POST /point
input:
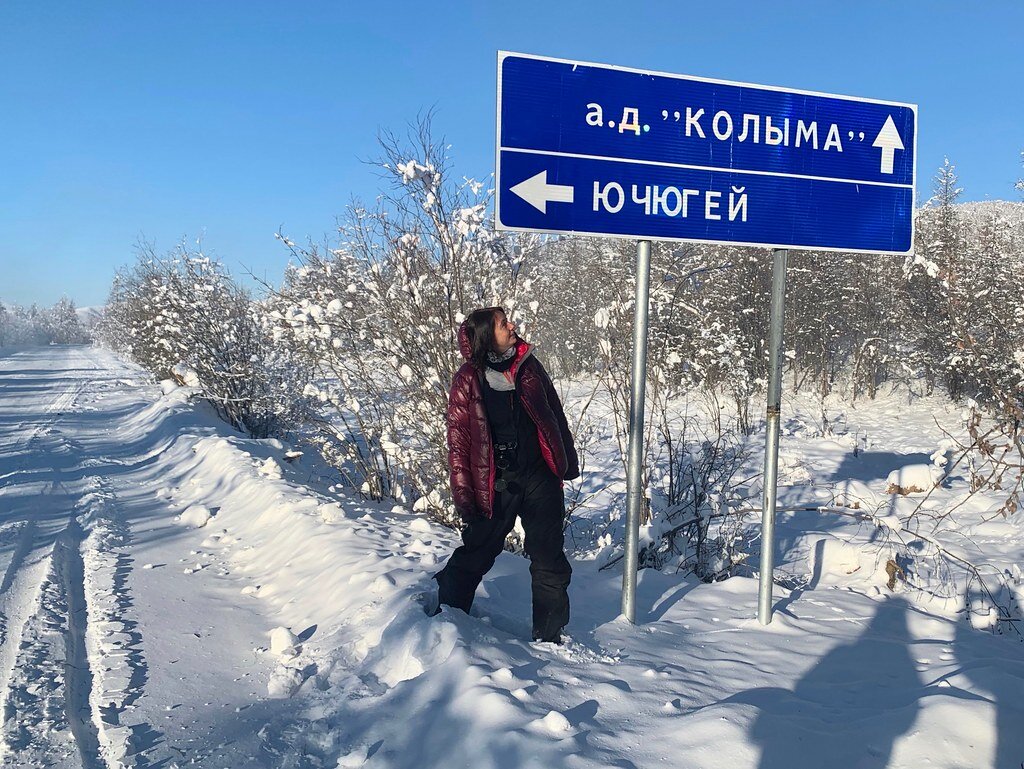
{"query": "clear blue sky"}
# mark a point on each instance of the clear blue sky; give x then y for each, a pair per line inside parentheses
(124, 121)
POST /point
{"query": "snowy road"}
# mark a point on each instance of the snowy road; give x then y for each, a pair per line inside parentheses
(46, 685)
(110, 653)
(175, 594)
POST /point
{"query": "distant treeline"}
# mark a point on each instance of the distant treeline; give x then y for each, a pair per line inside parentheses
(35, 325)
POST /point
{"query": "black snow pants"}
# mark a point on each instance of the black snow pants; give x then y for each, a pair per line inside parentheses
(536, 498)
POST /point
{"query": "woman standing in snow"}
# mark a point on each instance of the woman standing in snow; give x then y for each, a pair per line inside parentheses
(509, 449)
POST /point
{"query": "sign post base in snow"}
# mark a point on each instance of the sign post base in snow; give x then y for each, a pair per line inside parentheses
(771, 441)
(634, 472)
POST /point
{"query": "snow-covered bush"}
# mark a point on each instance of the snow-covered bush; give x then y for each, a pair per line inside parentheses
(699, 339)
(699, 350)
(569, 281)
(696, 523)
(183, 317)
(377, 318)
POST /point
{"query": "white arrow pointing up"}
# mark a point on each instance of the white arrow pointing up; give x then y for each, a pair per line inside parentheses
(889, 141)
(538, 193)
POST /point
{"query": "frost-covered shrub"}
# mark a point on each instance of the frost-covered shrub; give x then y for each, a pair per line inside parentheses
(569, 281)
(183, 317)
(699, 349)
(700, 341)
(377, 318)
(696, 523)
(853, 322)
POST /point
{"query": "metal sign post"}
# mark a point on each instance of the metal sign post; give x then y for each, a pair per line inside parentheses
(594, 149)
(771, 445)
(634, 470)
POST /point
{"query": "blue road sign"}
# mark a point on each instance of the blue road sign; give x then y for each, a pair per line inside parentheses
(600, 150)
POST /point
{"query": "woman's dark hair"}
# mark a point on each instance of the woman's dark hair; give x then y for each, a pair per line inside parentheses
(480, 330)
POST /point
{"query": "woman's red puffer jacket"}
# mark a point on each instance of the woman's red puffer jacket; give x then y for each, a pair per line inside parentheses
(470, 450)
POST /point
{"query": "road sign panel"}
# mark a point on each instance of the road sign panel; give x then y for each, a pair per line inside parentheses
(592, 149)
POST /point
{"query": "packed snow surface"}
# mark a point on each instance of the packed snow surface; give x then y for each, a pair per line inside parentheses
(289, 629)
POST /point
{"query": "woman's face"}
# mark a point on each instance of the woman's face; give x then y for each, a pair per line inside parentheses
(504, 332)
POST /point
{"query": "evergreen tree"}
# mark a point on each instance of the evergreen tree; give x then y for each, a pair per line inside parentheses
(64, 323)
(945, 194)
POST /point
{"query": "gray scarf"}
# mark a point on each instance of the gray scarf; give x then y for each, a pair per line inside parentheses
(501, 357)
(497, 379)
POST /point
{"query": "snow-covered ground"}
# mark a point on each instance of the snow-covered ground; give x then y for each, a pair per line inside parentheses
(174, 594)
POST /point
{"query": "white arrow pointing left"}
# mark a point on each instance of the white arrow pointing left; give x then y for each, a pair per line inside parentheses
(538, 193)
(889, 141)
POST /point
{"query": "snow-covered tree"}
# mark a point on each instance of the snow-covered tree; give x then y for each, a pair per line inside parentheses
(946, 234)
(66, 328)
(377, 318)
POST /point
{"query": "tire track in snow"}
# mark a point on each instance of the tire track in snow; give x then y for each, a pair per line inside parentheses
(78, 676)
(31, 704)
(33, 628)
(52, 413)
(19, 535)
(26, 447)
(21, 532)
(24, 534)
(46, 719)
(113, 640)
(26, 531)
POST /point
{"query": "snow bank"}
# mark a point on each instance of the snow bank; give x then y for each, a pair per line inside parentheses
(833, 561)
(187, 376)
(283, 642)
(341, 585)
(913, 479)
(195, 516)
